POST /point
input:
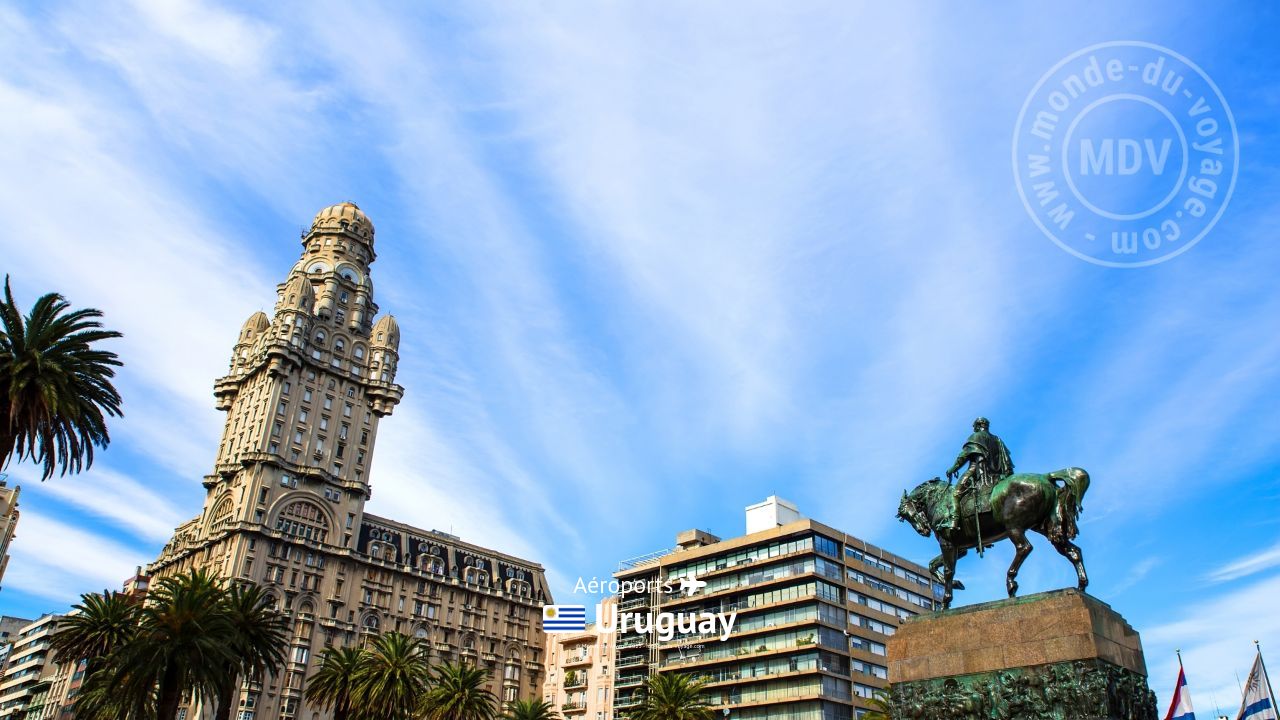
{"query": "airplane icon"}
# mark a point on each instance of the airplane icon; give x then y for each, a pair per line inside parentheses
(691, 585)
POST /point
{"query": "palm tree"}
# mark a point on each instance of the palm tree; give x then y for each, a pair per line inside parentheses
(100, 699)
(55, 387)
(96, 627)
(333, 685)
(182, 645)
(257, 641)
(674, 696)
(882, 706)
(458, 693)
(392, 678)
(531, 709)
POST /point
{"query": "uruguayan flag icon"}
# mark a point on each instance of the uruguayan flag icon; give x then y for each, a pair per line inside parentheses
(564, 618)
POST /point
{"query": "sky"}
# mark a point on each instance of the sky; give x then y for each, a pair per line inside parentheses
(654, 262)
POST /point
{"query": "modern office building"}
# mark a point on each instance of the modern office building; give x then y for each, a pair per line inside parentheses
(814, 608)
(8, 520)
(307, 389)
(580, 677)
(30, 666)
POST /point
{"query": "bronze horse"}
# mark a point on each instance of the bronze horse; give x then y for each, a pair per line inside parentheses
(1048, 504)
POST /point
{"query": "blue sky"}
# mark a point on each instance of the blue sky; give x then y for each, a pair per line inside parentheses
(654, 262)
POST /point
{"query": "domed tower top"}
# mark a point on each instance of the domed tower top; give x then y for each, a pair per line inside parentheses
(297, 295)
(252, 327)
(386, 333)
(345, 217)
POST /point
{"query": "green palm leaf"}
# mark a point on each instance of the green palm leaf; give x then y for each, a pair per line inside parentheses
(393, 677)
(333, 685)
(258, 638)
(458, 692)
(55, 386)
(674, 696)
(531, 709)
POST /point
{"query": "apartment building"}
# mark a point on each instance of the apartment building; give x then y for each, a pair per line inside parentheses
(814, 607)
(580, 680)
(29, 669)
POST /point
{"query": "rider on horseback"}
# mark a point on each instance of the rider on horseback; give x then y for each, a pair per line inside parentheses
(989, 462)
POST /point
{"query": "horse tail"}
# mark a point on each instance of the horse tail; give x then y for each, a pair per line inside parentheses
(1070, 504)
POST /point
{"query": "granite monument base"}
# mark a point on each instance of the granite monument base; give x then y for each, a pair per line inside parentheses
(1060, 655)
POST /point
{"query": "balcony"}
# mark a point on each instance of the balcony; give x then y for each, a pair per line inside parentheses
(630, 680)
(628, 701)
(578, 681)
(633, 603)
(575, 707)
(631, 661)
(576, 661)
(631, 641)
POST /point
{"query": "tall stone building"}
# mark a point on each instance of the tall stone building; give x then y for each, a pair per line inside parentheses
(8, 520)
(306, 390)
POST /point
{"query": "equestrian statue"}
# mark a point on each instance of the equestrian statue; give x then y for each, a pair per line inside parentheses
(990, 503)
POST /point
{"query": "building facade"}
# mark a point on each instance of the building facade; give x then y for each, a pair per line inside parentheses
(8, 521)
(814, 609)
(30, 668)
(580, 677)
(306, 391)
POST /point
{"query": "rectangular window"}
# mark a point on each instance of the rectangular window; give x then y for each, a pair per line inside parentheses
(306, 395)
(324, 423)
(346, 410)
(276, 429)
(285, 389)
(302, 415)
(297, 436)
(342, 432)
(280, 408)
(328, 402)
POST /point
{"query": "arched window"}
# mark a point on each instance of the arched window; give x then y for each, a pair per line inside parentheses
(305, 520)
(431, 564)
(320, 337)
(358, 351)
(221, 515)
(339, 346)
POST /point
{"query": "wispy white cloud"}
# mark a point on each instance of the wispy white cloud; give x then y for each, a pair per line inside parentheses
(112, 496)
(1260, 561)
(58, 561)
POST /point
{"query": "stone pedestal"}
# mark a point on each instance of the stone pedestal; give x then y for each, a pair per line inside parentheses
(1059, 655)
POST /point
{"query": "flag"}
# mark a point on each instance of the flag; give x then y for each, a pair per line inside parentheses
(564, 618)
(1258, 703)
(1180, 708)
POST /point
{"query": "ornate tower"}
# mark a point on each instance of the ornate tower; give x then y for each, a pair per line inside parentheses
(285, 505)
(304, 394)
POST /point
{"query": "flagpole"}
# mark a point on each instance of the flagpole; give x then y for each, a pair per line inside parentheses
(1265, 678)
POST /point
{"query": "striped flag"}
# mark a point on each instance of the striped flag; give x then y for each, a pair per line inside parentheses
(564, 618)
(1180, 708)
(1258, 703)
